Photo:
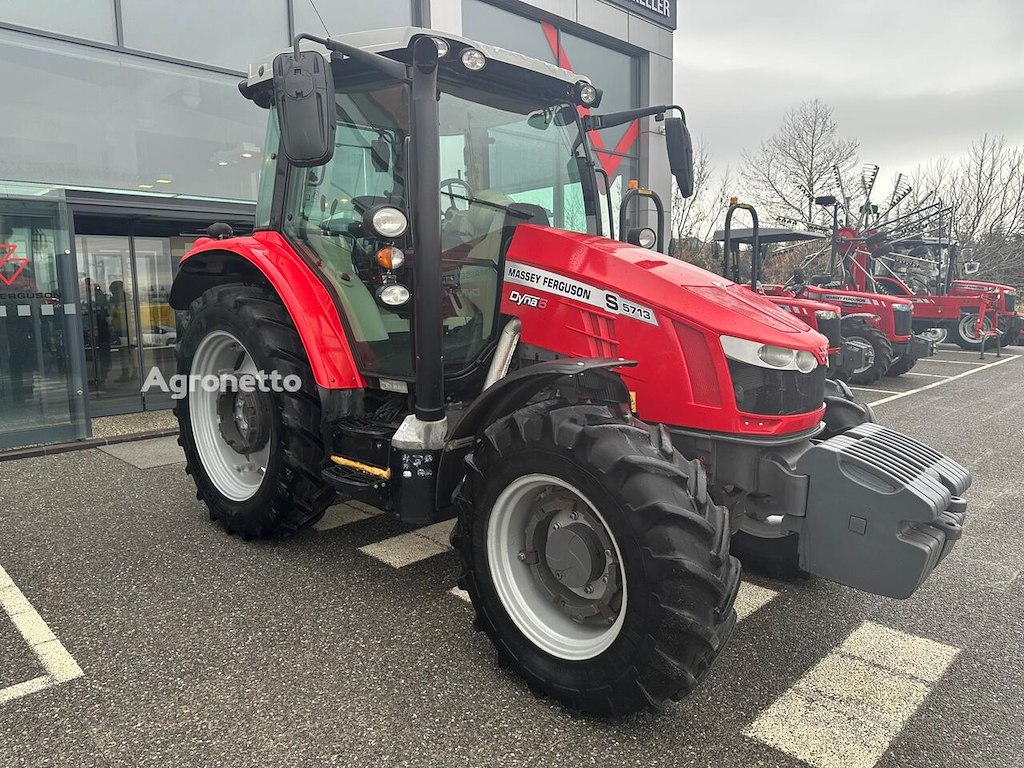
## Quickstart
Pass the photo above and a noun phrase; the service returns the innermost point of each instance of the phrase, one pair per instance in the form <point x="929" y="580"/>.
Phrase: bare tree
<point x="795" y="165"/>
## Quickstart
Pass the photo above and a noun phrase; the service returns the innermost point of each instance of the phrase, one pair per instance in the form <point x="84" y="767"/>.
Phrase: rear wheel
<point x="595" y="559"/>
<point x="877" y="359"/>
<point x="255" y="456"/>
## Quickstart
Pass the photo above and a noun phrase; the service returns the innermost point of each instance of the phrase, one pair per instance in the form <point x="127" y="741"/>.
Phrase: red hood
<point x="669" y="286"/>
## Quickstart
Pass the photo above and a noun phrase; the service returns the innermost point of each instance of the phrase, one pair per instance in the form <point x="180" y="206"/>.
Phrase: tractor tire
<point x="964" y="336"/>
<point x="663" y="609"/>
<point x="901" y="366"/>
<point x="759" y="548"/>
<point x="881" y="357"/>
<point x="258" y="474"/>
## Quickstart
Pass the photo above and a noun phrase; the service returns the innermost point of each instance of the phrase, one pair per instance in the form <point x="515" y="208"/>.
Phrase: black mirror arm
<point x="612" y="119"/>
<point x="389" y="67"/>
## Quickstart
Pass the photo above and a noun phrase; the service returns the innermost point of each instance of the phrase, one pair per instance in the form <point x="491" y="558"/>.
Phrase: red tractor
<point x="846" y="358"/>
<point x="925" y="270"/>
<point x="455" y="338"/>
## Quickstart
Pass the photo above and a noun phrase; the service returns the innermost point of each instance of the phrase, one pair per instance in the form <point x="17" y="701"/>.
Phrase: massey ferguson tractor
<point x="846" y="358"/>
<point x="428" y="262"/>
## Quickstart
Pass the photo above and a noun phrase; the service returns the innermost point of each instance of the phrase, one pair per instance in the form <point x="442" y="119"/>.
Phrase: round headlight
<point x="805" y="362"/>
<point x="442" y="47"/>
<point x="388" y="222"/>
<point x="473" y="60"/>
<point x="776" y="357"/>
<point x="647" y="238"/>
<point x="588" y="94"/>
<point x="825" y="314"/>
<point x="393" y="294"/>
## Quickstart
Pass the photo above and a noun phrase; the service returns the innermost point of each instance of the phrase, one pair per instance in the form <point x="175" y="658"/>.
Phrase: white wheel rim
<point x="967" y="326"/>
<point x="529" y="607"/>
<point x="936" y="335"/>
<point x="237" y="476"/>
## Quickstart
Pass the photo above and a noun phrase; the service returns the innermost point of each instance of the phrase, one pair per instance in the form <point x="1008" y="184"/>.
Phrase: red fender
<point x="307" y="300"/>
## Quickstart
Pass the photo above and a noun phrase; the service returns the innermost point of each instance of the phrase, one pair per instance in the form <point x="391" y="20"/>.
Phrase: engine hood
<point x="670" y="287"/>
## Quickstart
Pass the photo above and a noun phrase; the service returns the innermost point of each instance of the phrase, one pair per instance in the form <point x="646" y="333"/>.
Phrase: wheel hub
<point x="244" y="421"/>
<point x="572" y="559"/>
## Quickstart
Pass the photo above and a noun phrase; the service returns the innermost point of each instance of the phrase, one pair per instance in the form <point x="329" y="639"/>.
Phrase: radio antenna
<point x="317" y="12"/>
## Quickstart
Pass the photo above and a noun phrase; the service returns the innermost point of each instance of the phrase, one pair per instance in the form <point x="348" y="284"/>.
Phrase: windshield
<point x="503" y="162"/>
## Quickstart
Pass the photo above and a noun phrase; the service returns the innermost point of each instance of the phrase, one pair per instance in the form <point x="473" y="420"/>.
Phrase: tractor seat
<point x="821" y="279"/>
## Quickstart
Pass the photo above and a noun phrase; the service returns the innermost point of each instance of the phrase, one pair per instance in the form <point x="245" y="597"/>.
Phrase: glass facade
<point x="118" y="110"/>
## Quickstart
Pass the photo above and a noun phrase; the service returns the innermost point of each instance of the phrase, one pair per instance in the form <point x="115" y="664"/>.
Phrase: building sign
<point x="661" y="12"/>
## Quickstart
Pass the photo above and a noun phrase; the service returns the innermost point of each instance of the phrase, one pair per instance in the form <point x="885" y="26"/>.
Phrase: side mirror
<point x="680" y="154"/>
<point x="304" y="93"/>
<point x="971" y="267"/>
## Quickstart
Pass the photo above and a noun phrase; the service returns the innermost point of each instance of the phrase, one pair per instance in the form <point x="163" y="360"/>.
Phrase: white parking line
<point x="847" y="709"/>
<point x="944" y="381"/>
<point x="879" y="391"/>
<point x="928" y="375"/>
<point x="953" y="362"/>
<point x="400" y="551"/>
<point x="60" y="667"/>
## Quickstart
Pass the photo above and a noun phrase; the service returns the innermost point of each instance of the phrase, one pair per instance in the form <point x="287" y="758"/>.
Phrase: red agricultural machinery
<point x="846" y="358"/>
<point x="926" y="270"/>
<point x="428" y="266"/>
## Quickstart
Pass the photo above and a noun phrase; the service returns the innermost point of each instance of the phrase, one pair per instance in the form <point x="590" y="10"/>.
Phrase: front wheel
<point x="254" y="455"/>
<point x="597" y="563"/>
<point x="878" y="353"/>
<point x="966" y="335"/>
<point x="935" y="335"/>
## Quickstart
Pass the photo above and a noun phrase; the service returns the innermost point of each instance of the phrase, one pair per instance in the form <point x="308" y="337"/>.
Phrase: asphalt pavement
<point x="136" y="633"/>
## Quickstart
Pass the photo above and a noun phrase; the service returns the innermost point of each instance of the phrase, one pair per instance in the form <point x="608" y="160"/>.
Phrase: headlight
<point x="473" y="60"/>
<point x="386" y="222"/>
<point x="587" y="95"/>
<point x="768" y="356"/>
<point x="825" y="314"/>
<point x="902" y="307"/>
<point x="442" y="47"/>
<point x="393" y="294"/>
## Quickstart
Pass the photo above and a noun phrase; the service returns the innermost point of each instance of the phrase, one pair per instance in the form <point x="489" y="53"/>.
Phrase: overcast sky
<point x="911" y="79"/>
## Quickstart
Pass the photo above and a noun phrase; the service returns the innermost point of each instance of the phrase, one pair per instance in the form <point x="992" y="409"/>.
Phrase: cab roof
<point x="384" y="41"/>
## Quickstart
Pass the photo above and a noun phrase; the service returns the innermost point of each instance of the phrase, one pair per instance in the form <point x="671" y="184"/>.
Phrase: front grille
<point x="771" y="392"/>
<point x="830" y="330"/>
<point x="1011" y="301"/>
<point x="902" y="322"/>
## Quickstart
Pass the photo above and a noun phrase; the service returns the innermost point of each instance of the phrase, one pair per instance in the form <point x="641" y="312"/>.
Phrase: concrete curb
<point x="80" y="445"/>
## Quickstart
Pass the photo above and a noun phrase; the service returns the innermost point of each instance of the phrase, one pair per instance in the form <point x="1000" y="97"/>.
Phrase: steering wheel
<point x="451" y="183"/>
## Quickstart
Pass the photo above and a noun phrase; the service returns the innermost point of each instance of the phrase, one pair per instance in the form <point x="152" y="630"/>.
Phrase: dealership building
<point x="124" y="136"/>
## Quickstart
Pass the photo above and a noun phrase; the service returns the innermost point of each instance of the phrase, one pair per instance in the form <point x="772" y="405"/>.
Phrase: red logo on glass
<point x="7" y="257"/>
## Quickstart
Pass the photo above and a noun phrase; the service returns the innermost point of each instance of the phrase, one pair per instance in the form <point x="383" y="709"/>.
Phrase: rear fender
<point x="267" y="257"/>
<point x="862" y="317"/>
<point x="590" y="379"/>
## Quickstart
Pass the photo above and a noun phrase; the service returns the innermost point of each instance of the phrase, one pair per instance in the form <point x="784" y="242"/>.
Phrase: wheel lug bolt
<point x="521" y="556"/>
<point x="557" y="525"/>
<point x="604" y="579"/>
<point x="558" y="575"/>
<point x="573" y="515"/>
<point x="607" y="553"/>
<point x="588" y="589"/>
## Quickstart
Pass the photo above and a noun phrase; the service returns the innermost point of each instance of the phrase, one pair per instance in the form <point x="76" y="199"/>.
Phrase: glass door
<point x="155" y="268"/>
<point x="41" y="377"/>
<point x="111" y="338"/>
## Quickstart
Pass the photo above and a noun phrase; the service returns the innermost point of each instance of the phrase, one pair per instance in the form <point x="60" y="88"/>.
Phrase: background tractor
<point x="428" y="261"/>
<point x="846" y="358"/>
